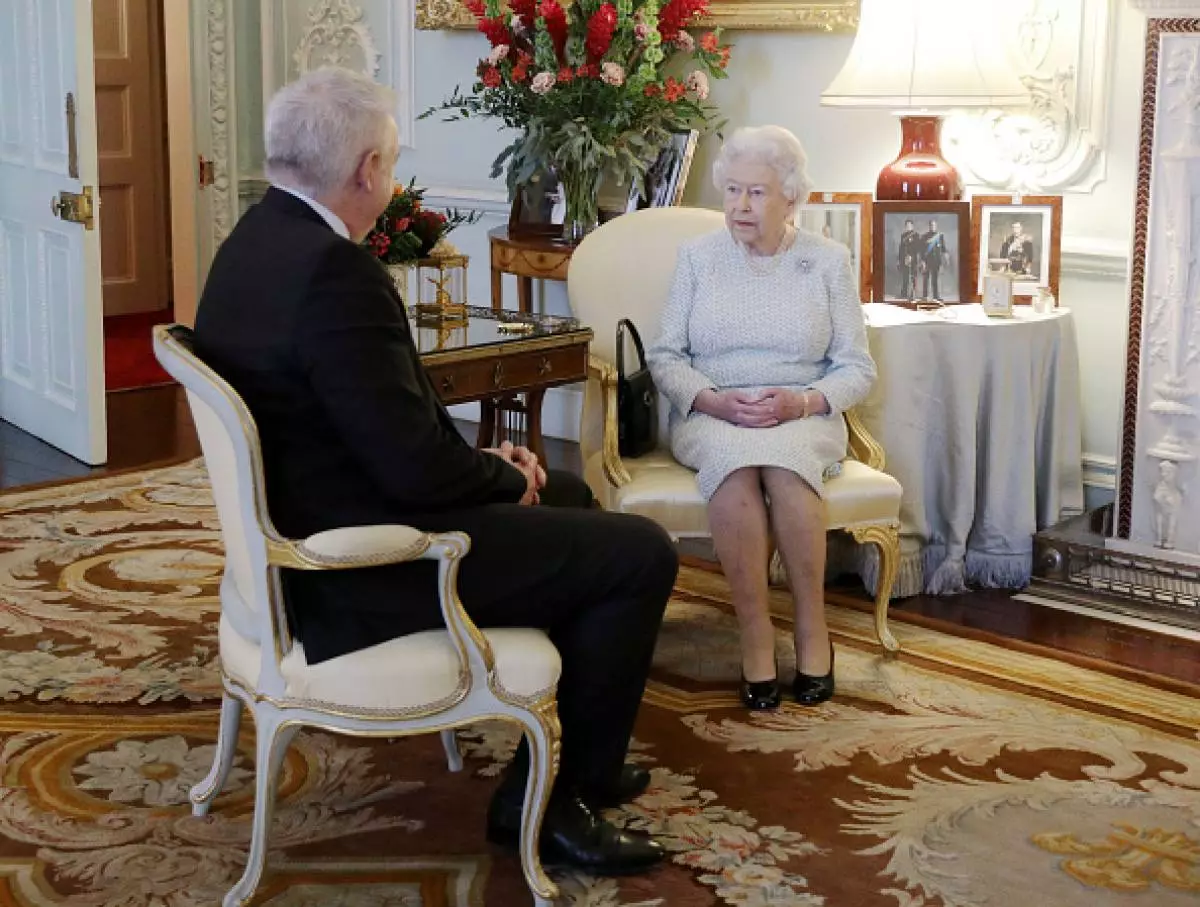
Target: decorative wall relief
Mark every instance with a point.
(1061, 48)
(337, 35)
(374, 37)
(1161, 430)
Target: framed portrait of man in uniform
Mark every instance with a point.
(1019, 236)
(844, 217)
(918, 253)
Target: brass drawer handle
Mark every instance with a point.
(447, 384)
(544, 367)
(498, 375)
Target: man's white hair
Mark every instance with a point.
(772, 145)
(319, 127)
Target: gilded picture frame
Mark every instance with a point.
(773, 15)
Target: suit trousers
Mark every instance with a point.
(597, 582)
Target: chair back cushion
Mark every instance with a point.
(229, 440)
(624, 269)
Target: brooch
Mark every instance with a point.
(805, 266)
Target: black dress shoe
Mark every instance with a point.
(760, 695)
(630, 784)
(572, 833)
(810, 690)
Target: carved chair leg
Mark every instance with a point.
(454, 759)
(886, 539)
(272, 742)
(204, 792)
(543, 732)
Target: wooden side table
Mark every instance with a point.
(530, 258)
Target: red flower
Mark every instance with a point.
(674, 90)
(588, 71)
(496, 31)
(566, 74)
(556, 23)
(520, 71)
(600, 29)
(724, 61)
(491, 77)
(653, 90)
(709, 42)
(678, 13)
(401, 224)
(526, 9)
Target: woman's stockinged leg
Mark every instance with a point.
(737, 516)
(798, 520)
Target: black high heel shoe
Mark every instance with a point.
(810, 690)
(761, 695)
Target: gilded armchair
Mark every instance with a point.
(624, 270)
(425, 682)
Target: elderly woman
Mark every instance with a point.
(762, 348)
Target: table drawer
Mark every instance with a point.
(531, 263)
(484, 377)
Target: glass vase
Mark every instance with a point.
(581, 194)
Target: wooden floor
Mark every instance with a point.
(152, 426)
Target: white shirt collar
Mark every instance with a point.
(335, 223)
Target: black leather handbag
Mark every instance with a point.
(637, 399)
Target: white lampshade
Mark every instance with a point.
(926, 55)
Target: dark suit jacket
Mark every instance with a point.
(308, 328)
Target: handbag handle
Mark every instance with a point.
(622, 325)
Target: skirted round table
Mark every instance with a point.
(980, 419)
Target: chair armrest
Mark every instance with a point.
(606, 373)
(863, 447)
(350, 547)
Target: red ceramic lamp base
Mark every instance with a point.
(920, 172)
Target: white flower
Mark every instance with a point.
(612, 73)
(543, 82)
(685, 42)
(156, 773)
(697, 82)
(499, 52)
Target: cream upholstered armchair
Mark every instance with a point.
(624, 270)
(432, 681)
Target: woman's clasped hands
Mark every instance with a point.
(760, 408)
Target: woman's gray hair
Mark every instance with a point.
(319, 127)
(771, 145)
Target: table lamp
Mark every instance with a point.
(920, 58)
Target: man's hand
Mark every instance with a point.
(736, 407)
(526, 461)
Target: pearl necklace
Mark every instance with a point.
(763, 265)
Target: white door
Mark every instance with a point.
(51, 311)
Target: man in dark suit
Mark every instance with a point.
(909, 255)
(306, 325)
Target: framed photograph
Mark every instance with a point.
(921, 253)
(538, 208)
(844, 217)
(667, 176)
(1020, 236)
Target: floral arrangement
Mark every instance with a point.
(587, 87)
(406, 231)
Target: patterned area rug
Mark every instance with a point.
(958, 774)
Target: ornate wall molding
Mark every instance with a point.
(223, 209)
(1063, 49)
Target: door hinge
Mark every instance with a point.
(206, 172)
(75, 207)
